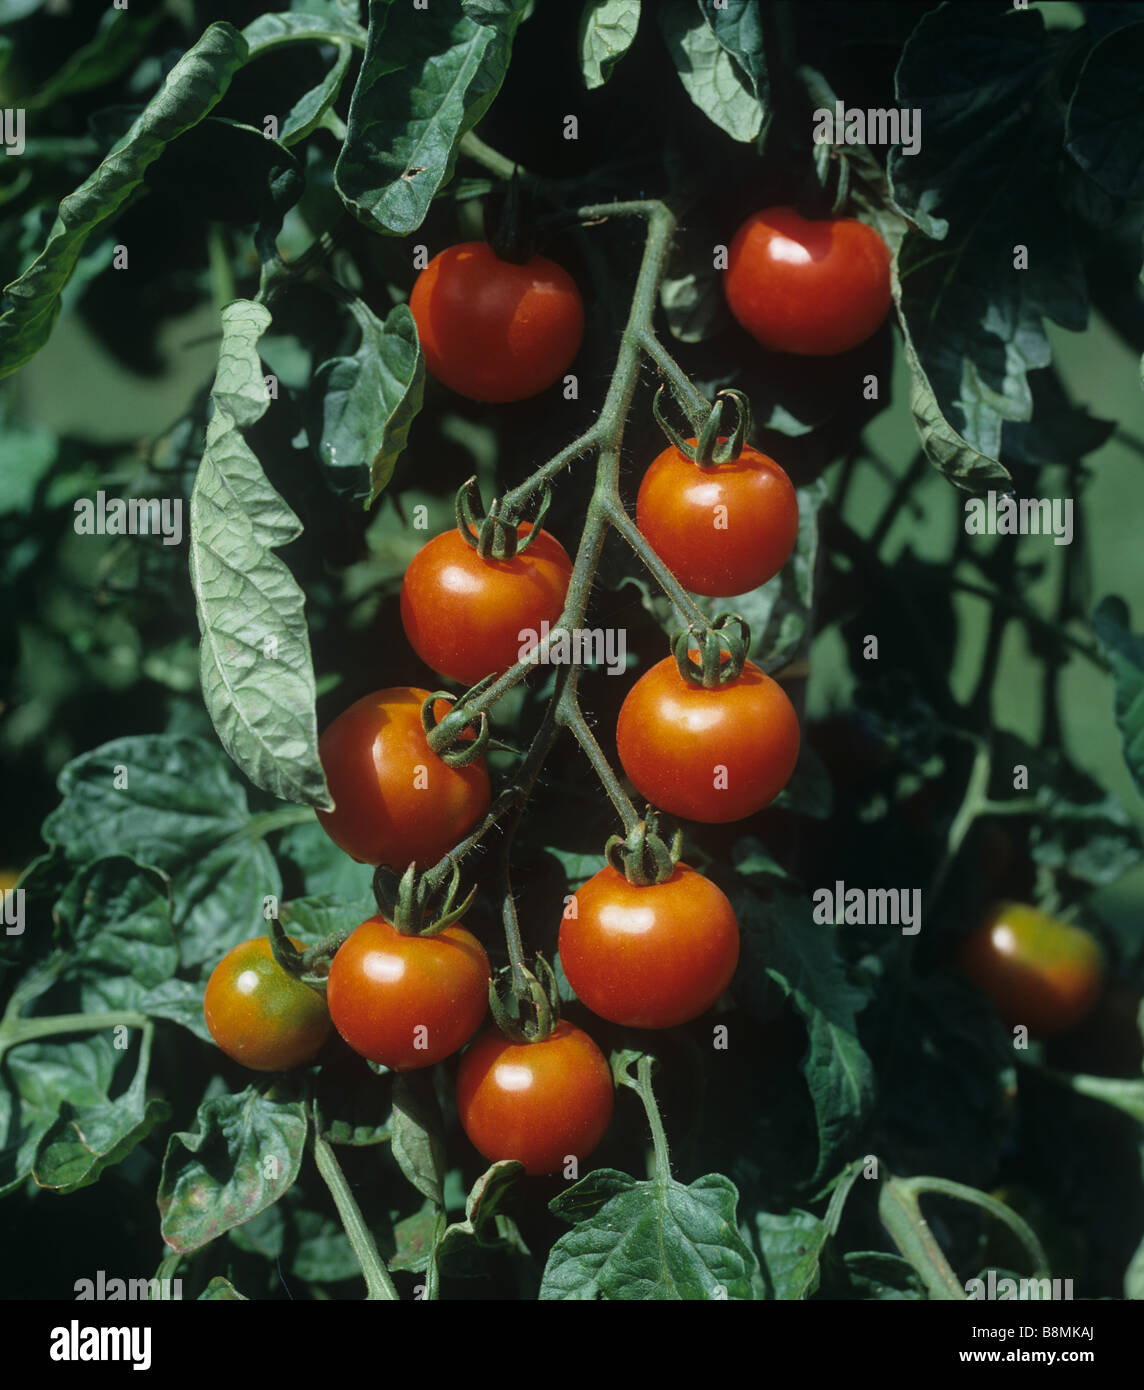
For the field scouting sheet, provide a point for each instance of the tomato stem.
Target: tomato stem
(900, 1214)
(377, 1281)
(1017, 1224)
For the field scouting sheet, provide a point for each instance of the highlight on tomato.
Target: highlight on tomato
(493, 330)
(464, 613)
(649, 956)
(814, 288)
(261, 1015)
(407, 1001)
(396, 801)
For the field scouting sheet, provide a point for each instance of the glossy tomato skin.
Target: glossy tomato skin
(1038, 971)
(810, 287)
(259, 1014)
(649, 957)
(492, 330)
(464, 615)
(540, 1103)
(721, 529)
(396, 801)
(707, 755)
(408, 1001)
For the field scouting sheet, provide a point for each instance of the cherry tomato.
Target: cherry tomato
(396, 801)
(707, 755)
(814, 288)
(407, 1001)
(649, 957)
(540, 1103)
(464, 615)
(1039, 972)
(721, 529)
(259, 1014)
(492, 330)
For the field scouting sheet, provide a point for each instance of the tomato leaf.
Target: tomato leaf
(173, 804)
(711, 76)
(484, 1226)
(118, 917)
(427, 78)
(244, 1155)
(83, 1142)
(1106, 113)
(193, 87)
(607, 28)
(652, 1241)
(1124, 652)
(791, 1246)
(974, 307)
(781, 942)
(273, 31)
(37, 1081)
(361, 407)
(418, 1143)
(254, 659)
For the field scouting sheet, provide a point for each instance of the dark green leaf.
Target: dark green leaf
(427, 77)
(1106, 114)
(791, 1247)
(362, 406)
(1124, 652)
(654, 1241)
(417, 1139)
(193, 87)
(173, 804)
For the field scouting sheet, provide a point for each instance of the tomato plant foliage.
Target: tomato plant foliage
(451, 449)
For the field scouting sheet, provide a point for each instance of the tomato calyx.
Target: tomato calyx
(309, 966)
(417, 904)
(721, 648)
(540, 998)
(462, 735)
(514, 237)
(710, 448)
(642, 855)
(495, 534)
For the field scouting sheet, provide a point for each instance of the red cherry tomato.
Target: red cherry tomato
(707, 755)
(649, 957)
(259, 1014)
(464, 615)
(1039, 972)
(721, 529)
(408, 1001)
(396, 801)
(814, 288)
(540, 1103)
(492, 330)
